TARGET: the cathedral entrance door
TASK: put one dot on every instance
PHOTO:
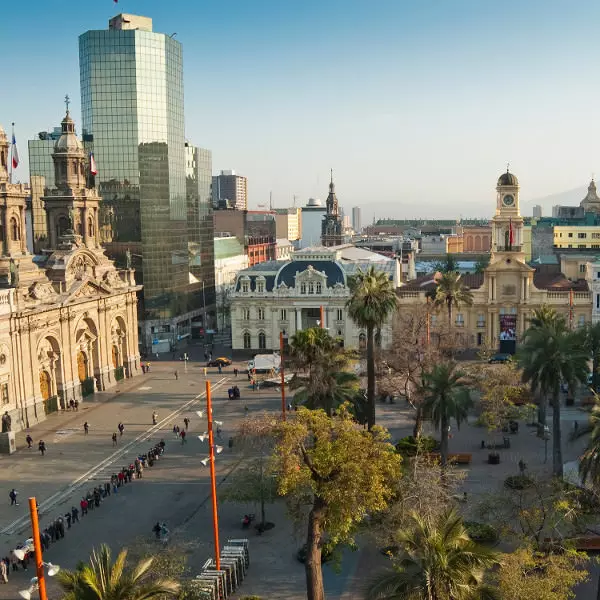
(82, 366)
(45, 385)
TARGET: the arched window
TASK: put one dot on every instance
(311, 288)
(262, 341)
(318, 287)
(303, 288)
(14, 230)
(90, 227)
(62, 225)
(362, 341)
(247, 341)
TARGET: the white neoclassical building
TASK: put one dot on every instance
(287, 296)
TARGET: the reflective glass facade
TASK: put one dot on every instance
(132, 118)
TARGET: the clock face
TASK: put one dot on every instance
(508, 200)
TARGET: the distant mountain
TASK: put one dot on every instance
(568, 198)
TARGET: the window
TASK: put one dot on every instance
(596, 236)
(570, 245)
(14, 230)
(340, 314)
(283, 314)
(433, 320)
(245, 287)
(480, 321)
(245, 314)
(570, 235)
(303, 288)
(581, 245)
(262, 341)
(311, 288)
(597, 300)
(460, 320)
(261, 314)
(260, 286)
(318, 287)
(581, 321)
(582, 268)
(4, 393)
(247, 341)
(582, 236)
(596, 246)
(480, 339)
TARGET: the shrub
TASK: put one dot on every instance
(407, 446)
(482, 533)
(518, 482)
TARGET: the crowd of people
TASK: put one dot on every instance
(90, 501)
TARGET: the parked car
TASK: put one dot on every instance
(219, 362)
(500, 357)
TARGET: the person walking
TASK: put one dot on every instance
(74, 514)
(68, 519)
(154, 417)
(182, 434)
(121, 428)
(3, 572)
(176, 373)
(220, 368)
(42, 447)
(86, 428)
(147, 367)
(13, 497)
(76, 405)
(29, 440)
(84, 507)
(219, 431)
(114, 438)
(186, 422)
(235, 371)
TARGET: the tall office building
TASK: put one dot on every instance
(537, 211)
(132, 108)
(41, 176)
(230, 190)
(200, 224)
(356, 225)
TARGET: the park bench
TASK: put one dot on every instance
(455, 458)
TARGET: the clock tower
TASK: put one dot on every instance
(507, 224)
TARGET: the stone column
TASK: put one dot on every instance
(298, 319)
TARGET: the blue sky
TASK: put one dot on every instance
(416, 105)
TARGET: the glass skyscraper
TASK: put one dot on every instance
(133, 121)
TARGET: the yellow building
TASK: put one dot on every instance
(577, 236)
(509, 290)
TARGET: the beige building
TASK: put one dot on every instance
(288, 222)
(509, 290)
(68, 317)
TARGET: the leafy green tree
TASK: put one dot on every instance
(341, 472)
(373, 300)
(529, 575)
(437, 561)
(448, 265)
(309, 347)
(451, 293)
(589, 463)
(549, 354)
(103, 579)
(446, 397)
(254, 481)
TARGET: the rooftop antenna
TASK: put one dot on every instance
(294, 199)
(67, 102)
(271, 200)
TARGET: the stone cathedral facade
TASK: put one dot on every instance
(68, 317)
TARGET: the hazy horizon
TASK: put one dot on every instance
(416, 106)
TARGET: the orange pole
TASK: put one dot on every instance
(39, 562)
(213, 477)
(322, 316)
(282, 375)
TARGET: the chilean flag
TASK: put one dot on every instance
(93, 167)
(14, 153)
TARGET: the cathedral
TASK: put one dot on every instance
(331, 228)
(68, 317)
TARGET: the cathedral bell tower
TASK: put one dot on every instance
(72, 207)
(331, 228)
(507, 224)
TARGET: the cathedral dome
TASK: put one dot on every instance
(68, 141)
(508, 178)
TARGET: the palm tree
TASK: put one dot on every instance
(104, 580)
(373, 299)
(451, 292)
(544, 315)
(437, 561)
(550, 353)
(589, 463)
(310, 346)
(446, 397)
(592, 344)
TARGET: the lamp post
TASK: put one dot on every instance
(39, 563)
(281, 372)
(213, 479)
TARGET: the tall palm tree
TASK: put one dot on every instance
(589, 463)
(451, 292)
(310, 346)
(446, 397)
(544, 315)
(104, 580)
(437, 561)
(373, 299)
(549, 354)
(592, 343)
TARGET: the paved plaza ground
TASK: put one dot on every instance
(176, 489)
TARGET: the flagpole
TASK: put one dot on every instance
(12, 145)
